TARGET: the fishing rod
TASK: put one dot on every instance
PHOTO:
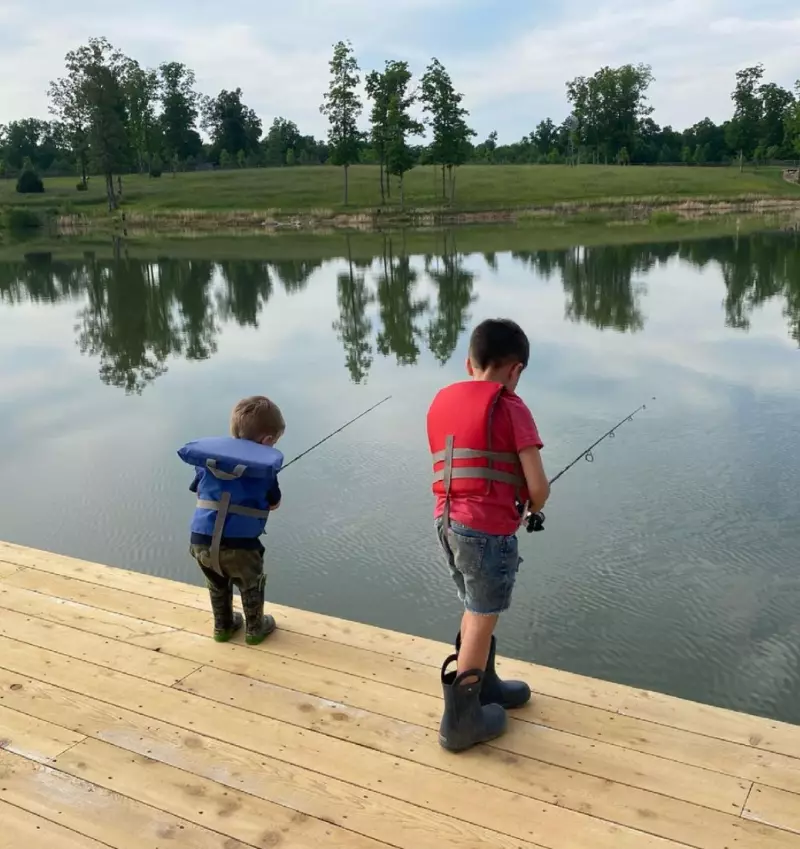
(338, 430)
(535, 521)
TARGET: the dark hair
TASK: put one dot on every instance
(497, 342)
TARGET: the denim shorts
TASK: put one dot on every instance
(483, 566)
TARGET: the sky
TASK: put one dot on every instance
(511, 60)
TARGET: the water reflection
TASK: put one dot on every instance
(139, 313)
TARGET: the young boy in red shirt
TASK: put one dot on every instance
(485, 449)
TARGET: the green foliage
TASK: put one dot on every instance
(141, 91)
(283, 137)
(156, 166)
(609, 108)
(18, 220)
(179, 112)
(29, 183)
(82, 187)
(225, 159)
(342, 106)
(291, 159)
(232, 126)
(447, 119)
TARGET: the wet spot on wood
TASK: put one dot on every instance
(510, 760)
(269, 839)
(193, 743)
(167, 832)
(645, 814)
(298, 818)
(340, 717)
(306, 708)
(195, 790)
(229, 808)
(755, 739)
(16, 686)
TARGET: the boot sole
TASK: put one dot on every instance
(456, 749)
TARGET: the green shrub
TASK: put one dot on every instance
(82, 187)
(29, 183)
(22, 219)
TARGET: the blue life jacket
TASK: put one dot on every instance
(235, 476)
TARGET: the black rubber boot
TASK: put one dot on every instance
(507, 694)
(466, 722)
(259, 625)
(226, 622)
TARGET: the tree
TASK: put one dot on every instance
(391, 121)
(141, 90)
(793, 122)
(353, 327)
(777, 104)
(610, 108)
(232, 125)
(447, 118)
(343, 107)
(68, 104)
(179, 111)
(545, 136)
(745, 128)
(283, 137)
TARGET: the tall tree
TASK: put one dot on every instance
(777, 103)
(447, 119)
(179, 111)
(233, 126)
(141, 91)
(744, 130)
(343, 106)
(545, 136)
(610, 107)
(793, 122)
(283, 137)
(399, 124)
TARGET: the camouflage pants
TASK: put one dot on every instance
(242, 568)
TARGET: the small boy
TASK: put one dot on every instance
(237, 488)
(485, 450)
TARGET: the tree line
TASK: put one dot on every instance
(137, 314)
(111, 116)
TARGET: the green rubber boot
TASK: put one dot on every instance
(226, 622)
(259, 624)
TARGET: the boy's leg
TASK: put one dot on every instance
(465, 721)
(488, 591)
(220, 589)
(247, 571)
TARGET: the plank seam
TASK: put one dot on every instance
(60, 825)
(747, 799)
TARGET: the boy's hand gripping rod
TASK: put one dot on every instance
(338, 430)
(535, 521)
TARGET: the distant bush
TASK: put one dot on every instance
(82, 187)
(22, 219)
(29, 183)
(156, 167)
(155, 173)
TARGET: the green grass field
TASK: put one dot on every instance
(479, 187)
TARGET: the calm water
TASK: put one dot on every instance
(670, 563)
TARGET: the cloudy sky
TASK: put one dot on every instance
(511, 59)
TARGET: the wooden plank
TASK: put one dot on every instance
(318, 755)
(99, 650)
(370, 639)
(76, 615)
(744, 762)
(32, 738)
(97, 814)
(774, 807)
(555, 748)
(7, 569)
(755, 731)
(657, 814)
(22, 829)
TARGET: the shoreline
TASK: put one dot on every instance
(607, 211)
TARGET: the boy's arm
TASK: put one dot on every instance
(535, 478)
(274, 497)
(195, 483)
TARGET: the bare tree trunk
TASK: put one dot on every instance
(112, 199)
(345, 185)
(402, 194)
(119, 184)
(444, 190)
(452, 186)
(741, 161)
(83, 168)
(383, 190)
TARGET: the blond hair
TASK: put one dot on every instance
(256, 418)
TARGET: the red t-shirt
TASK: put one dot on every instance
(513, 430)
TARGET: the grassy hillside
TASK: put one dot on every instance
(479, 187)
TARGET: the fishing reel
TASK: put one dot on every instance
(534, 522)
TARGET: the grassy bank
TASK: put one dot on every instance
(317, 191)
(533, 235)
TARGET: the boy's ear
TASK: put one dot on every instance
(470, 370)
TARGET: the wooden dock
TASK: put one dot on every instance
(122, 724)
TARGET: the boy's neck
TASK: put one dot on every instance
(490, 375)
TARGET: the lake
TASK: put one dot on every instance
(669, 563)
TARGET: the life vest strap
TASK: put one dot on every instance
(473, 454)
(479, 472)
(237, 472)
(223, 508)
